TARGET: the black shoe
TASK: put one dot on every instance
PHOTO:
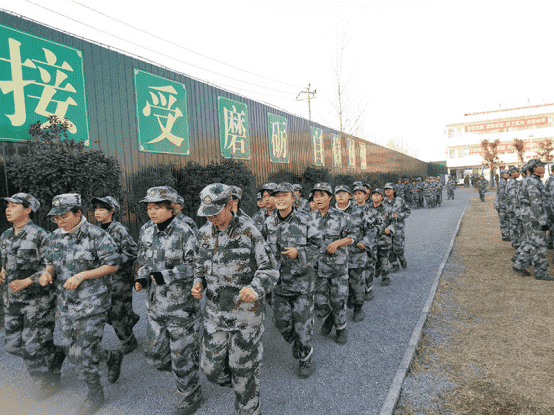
(190, 408)
(130, 345)
(403, 263)
(369, 295)
(545, 277)
(327, 325)
(506, 239)
(296, 350)
(305, 368)
(114, 365)
(349, 304)
(165, 367)
(377, 272)
(395, 267)
(342, 336)
(93, 402)
(523, 272)
(57, 362)
(359, 314)
(385, 281)
(514, 258)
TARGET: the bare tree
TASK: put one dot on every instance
(545, 153)
(490, 156)
(519, 145)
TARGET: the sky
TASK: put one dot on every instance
(412, 67)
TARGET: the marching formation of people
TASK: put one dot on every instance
(306, 258)
(526, 212)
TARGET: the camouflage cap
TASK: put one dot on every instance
(323, 186)
(533, 163)
(213, 199)
(343, 188)
(180, 200)
(64, 202)
(236, 191)
(389, 186)
(378, 191)
(513, 169)
(160, 193)
(311, 196)
(110, 200)
(359, 187)
(22, 198)
(270, 186)
(258, 196)
(296, 187)
(504, 172)
(358, 183)
(283, 187)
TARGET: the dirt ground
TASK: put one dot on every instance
(488, 344)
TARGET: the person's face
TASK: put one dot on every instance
(284, 200)
(16, 212)
(221, 218)
(158, 213)
(342, 197)
(389, 192)
(260, 203)
(313, 205)
(234, 205)
(67, 221)
(405, 182)
(539, 171)
(376, 198)
(515, 174)
(399, 182)
(269, 201)
(298, 193)
(177, 208)
(360, 197)
(103, 215)
(322, 199)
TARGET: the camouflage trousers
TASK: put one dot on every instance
(482, 195)
(30, 335)
(331, 295)
(450, 194)
(382, 254)
(398, 242)
(234, 358)
(370, 271)
(420, 199)
(439, 197)
(549, 236)
(293, 315)
(517, 234)
(505, 224)
(81, 341)
(121, 315)
(170, 341)
(532, 251)
(357, 285)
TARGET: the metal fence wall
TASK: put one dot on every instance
(110, 95)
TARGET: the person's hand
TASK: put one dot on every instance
(2, 276)
(196, 291)
(18, 285)
(248, 295)
(395, 216)
(387, 231)
(138, 286)
(73, 282)
(361, 246)
(544, 227)
(45, 279)
(290, 252)
(331, 248)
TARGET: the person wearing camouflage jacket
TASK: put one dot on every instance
(178, 206)
(235, 204)
(401, 189)
(29, 307)
(269, 205)
(450, 188)
(439, 186)
(121, 315)
(236, 269)
(420, 189)
(79, 261)
(482, 184)
(512, 207)
(296, 243)
(165, 262)
(429, 193)
(357, 254)
(301, 203)
(401, 210)
(549, 187)
(383, 221)
(331, 293)
(500, 205)
(535, 209)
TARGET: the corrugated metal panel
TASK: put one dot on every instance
(110, 90)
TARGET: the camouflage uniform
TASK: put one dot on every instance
(82, 311)
(172, 333)
(420, 188)
(414, 195)
(403, 211)
(549, 187)
(535, 208)
(260, 216)
(429, 191)
(450, 187)
(400, 189)
(381, 217)
(438, 186)
(227, 261)
(293, 296)
(482, 185)
(512, 210)
(331, 291)
(182, 217)
(30, 320)
(121, 315)
(500, 206)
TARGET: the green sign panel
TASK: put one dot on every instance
(278, 139)
(337, 150)
(351, 148)
(234, 129)
(40, 78)
(162, 117)
(317, 146)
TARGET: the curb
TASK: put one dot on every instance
(396, 385)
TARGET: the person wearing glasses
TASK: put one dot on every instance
(80, 258)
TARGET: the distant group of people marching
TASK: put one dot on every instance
(306, 258)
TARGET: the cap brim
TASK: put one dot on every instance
(209, 210)
(14, 200)
(60, 210)
(151, 199)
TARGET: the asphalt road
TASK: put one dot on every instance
(349, 379)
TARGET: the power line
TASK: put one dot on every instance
(309, 97)
(162, 54)
(182, 47)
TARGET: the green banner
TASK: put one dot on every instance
(317, 146)
(162, 117)
(40, 78)
(351, 149)
(278, 139)
(234, 129)
(363, 157)
(337, 150)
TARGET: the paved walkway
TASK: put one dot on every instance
(350, 379)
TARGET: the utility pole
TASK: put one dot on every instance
(309, 97)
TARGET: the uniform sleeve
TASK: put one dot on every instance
(106, 251)
(183, 270)
(314, 242)
(267, 272)
(142, 273)
(128, 247)
(369, 228)
(538, 207)
(43, 244)
(405, 211)
(347, 228)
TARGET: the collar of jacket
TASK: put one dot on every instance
(23, 230)
(328, 211)
(288, 218)
(168, 230)
(233, 225)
